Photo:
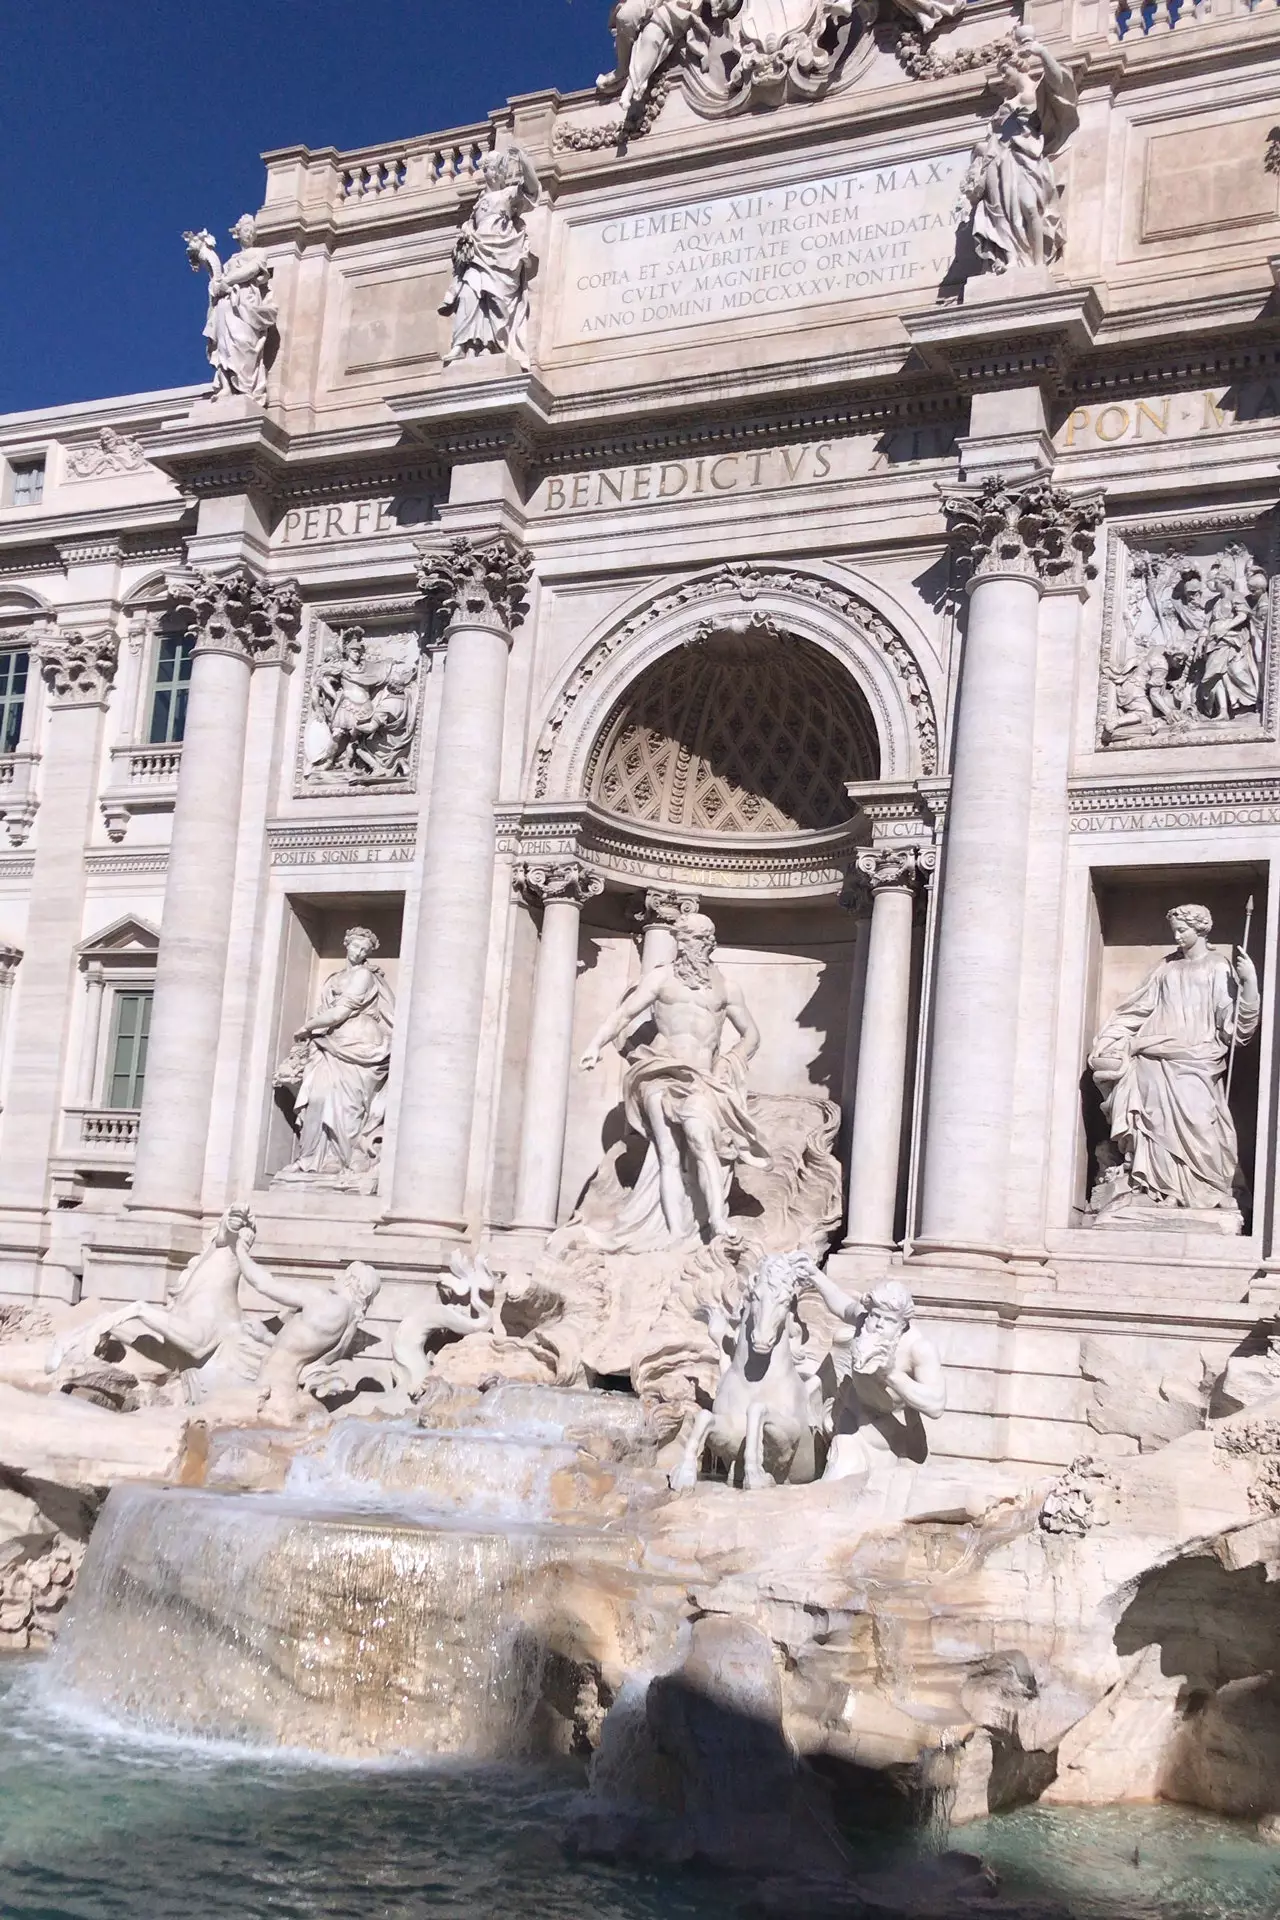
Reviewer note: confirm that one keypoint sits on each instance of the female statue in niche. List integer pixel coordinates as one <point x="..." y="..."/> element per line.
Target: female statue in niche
<point x="1011" y="191"/>
<point x="488" y="297"/>
<point x="241" y="310"/>
<point x="1160" y="1062"/>
<point x="337" y="1071"/>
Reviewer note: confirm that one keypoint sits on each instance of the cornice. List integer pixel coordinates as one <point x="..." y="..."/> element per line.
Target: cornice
<point x="1151" y="803"/>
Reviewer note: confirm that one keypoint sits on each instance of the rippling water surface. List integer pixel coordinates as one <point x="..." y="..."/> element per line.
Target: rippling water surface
<point x="95" y="1825"/>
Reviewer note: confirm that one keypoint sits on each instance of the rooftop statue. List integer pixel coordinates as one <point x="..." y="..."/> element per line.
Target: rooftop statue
<point x="1160" y="1061"/>
<point x="1010" y="193"/>
<point x="242" y="313"/>
<point x="685" y="1095"/>
<point x="488" y="297"/>
<point x="337" y="1071"/>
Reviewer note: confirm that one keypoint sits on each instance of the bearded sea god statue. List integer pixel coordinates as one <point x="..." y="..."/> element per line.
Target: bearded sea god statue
<point x="685" y="1095"/>
<point x="337" y="1072"/>
<point x="1160" y="1062"/>
<point x="890" y="1380"/>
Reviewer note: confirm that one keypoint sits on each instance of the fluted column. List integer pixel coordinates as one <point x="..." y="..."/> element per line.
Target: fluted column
<point x="480" y="586"/>
<point x="238" y="624"/>
<point x="78" y="670"/>
<point x="1020" y="538"/>
<point x="563" y="889"/>
<point x="893" y="875"/>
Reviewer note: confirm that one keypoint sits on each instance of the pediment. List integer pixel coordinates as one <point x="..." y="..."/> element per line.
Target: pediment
<point x="127" y="939"/>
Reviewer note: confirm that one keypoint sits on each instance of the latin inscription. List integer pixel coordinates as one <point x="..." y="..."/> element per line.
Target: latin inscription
<point x="840" y="237"/>
<point x="714" y="476"/>
<point x="1178" y="416"/>
<point x="351" y="520"/>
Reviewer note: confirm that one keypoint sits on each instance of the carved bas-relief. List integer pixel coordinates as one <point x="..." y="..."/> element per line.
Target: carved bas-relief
<point x="110" y="453"/>
<point x="1011" y="193"/>
<point x="686" y="1097"/>
<point x="488" y="297"/>
<point x="337" y="1073"/>
<point x="1161" y="1061"/>
<point x="1188" y="648"/>
<point x="242" y="314"/>
<point x="362" y="711"/>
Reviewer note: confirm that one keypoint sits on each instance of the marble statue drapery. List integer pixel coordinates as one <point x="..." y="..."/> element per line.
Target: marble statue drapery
<point x="1011" y="188"/>
<point x="488" y="297"/>
<point x="339" y="1067"/>
<point x="1160" y="1063"/>
<point x="242" y="313"/>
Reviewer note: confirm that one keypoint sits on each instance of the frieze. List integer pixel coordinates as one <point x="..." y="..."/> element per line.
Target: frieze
<point x="319" y="526"/>
<point x="1176" y="806"/>
<point x="131" y="864"/>
<point x="1153" y="419"/>
<point x="364" y="844"/>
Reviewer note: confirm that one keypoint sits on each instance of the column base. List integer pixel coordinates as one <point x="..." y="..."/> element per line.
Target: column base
<point x="958" y="1253"/>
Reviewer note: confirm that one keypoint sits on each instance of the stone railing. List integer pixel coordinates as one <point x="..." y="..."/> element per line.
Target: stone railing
<point x="151" y="766"/>
<point x="361" y="182"/>
<point x="109" y="1129"/>
<point x="1137" y="21"/>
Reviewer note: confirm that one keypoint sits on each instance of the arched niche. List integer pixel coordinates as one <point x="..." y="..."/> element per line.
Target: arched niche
<point x="787" y="605"/>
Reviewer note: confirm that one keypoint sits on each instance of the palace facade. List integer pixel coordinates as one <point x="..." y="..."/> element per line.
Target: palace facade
<point x="751" y="537"/>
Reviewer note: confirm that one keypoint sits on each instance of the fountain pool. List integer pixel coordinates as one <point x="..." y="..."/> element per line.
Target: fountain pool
<point x="99" y="1824"/>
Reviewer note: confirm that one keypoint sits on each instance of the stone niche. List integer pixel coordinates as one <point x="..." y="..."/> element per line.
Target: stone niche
<point x="312" y="950"/>
<point x="1129" y="936"/>
<point x="795" y="966"/>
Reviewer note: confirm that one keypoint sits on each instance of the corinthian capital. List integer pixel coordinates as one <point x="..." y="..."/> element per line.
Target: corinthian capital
<point x="566" y="880"/>
<point x="78" y="668"/>
<point x="478" y="583"/>
<point x="884" y="868"/>
<point x="1031" y="528"/>
<point x="239" y="614"/>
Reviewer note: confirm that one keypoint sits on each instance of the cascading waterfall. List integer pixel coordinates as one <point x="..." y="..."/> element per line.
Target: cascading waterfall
<point x="401" y="1597"/>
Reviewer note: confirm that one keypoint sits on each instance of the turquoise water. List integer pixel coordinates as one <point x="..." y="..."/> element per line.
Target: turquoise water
<point x="97" y="1826"/>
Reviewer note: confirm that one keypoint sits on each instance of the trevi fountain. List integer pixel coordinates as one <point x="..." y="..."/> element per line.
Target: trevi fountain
<point x="638" y="1079"/>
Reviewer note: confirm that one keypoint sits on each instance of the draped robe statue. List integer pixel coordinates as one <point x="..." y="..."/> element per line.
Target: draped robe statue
<point x="1011" y="192"/>
<point x="242" y="312"/>
<point x="488" y="297"/>
<point x="338" y="1068"/>
<point x="1160" y="1062"/>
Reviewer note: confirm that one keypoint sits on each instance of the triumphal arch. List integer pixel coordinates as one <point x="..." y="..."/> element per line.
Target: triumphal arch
<point x="698" y="682"/>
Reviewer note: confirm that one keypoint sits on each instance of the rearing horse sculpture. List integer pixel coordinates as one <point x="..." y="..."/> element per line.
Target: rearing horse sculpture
<point x="763" y="1412"/>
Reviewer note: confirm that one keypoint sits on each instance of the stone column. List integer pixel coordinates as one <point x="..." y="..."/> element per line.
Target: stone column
<point x="1020" y="537"/>
<point x="238" y="623"/>
<point x="480" y="586"/>
<point x="657" y="919"/>
<point x="893" y="875"/>
<point x="78" y="670"/>
<point x="95" y="987"/>
<point x="563" y="890"/>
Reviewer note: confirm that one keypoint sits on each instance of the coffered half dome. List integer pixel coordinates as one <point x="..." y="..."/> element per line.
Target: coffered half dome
<point x="740" y="732"/>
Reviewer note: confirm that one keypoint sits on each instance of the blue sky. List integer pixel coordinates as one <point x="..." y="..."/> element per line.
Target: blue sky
<point x="122" y="122"/>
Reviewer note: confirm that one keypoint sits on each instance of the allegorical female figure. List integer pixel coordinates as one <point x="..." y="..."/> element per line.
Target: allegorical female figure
<point x="1160" y="1062"/>
<point x="488" y="297"/>
<point x="242" y="313"/>
<point x="338" y="1068"/>
<point x="1010" y="188"/>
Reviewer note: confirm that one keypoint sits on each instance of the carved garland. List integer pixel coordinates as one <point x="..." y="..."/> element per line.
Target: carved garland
<point x="747" y="582"/>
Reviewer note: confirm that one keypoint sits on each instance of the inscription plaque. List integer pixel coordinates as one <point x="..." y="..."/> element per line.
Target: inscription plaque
<point x="842" y="236"/>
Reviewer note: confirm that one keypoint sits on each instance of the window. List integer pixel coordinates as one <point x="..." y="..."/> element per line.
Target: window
<point x="14" y="667"/>
<point x="169" y="691"/>
<point x="127" y="1068"/>
<point x="28" y="483"/>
